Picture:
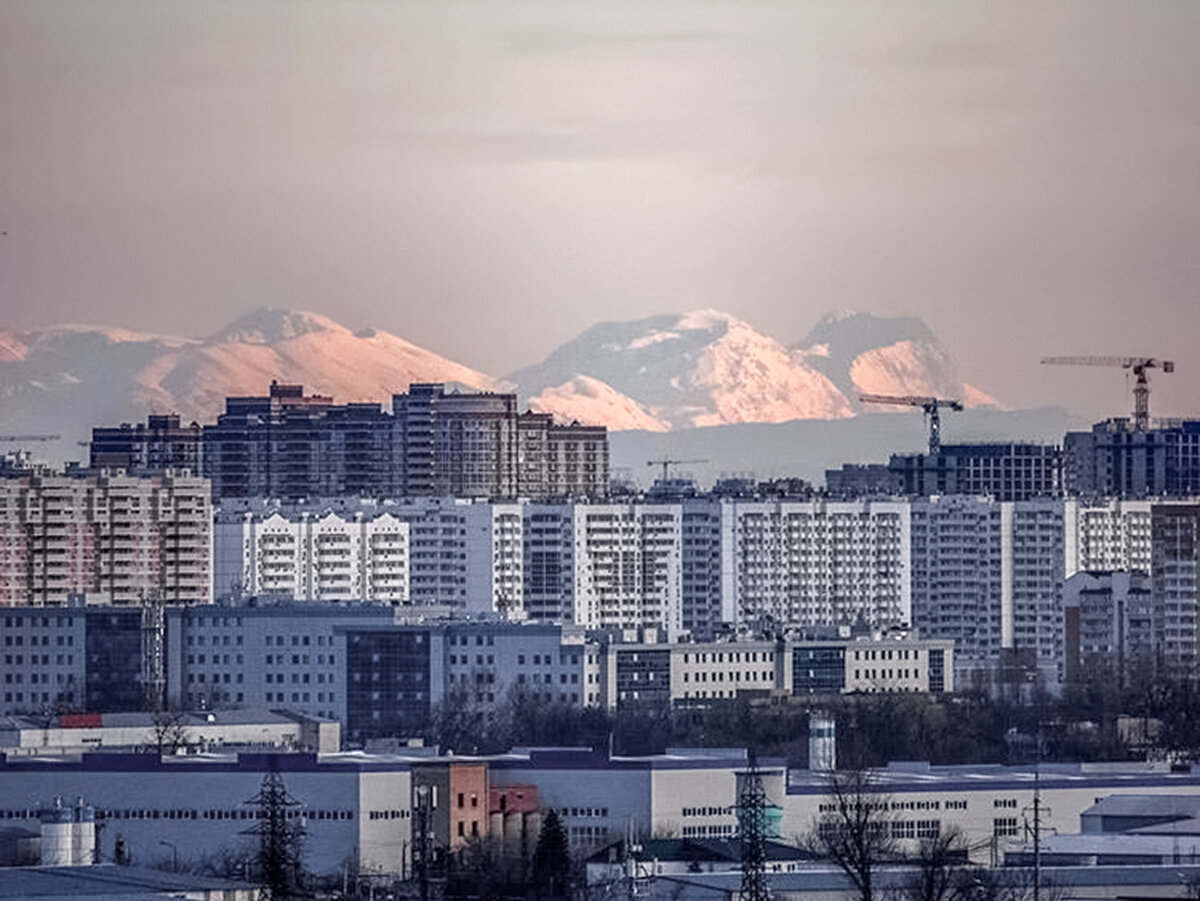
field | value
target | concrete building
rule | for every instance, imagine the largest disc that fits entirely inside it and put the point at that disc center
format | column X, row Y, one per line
column 1175, row 553
column 989, row 576
column 991, row 804
column 1007, row 472
column 398, row 677
column 310, row 553
column 601, row 799
column 146, row 449
column 357, row 808
column 1109, row 626
column 1115, row 459
column 1107, row 534
column 170, row 732
column 111, row 537
column 266, row 657
column 810, row 563
column 698, row 673
column 436, row 442
column 71, row 658
column 605, row 566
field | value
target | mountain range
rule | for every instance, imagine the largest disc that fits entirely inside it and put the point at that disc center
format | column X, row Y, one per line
column 663, row 373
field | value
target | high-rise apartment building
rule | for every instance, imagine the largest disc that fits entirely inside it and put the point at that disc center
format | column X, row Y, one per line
column 1007, row 472
column 119, row 538
column 806, row 563
column 264, row 549
column 1175, row 555
column 434, row 443
column 1116, row 460
column 151, row 448
column 989, row 575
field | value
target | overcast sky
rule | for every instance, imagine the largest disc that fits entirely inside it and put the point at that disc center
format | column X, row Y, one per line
column 487, row 179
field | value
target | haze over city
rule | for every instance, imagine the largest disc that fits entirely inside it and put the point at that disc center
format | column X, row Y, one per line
column 488, row 180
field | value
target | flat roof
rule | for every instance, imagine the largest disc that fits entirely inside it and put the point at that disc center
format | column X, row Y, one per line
column 920, row 776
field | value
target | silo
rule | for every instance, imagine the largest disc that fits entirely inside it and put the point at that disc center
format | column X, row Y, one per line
column 822, row 743
column 57, row 834
column 83, row 834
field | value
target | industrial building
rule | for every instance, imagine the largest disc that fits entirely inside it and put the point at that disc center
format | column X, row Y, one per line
column 169, row 731
column 357, row 808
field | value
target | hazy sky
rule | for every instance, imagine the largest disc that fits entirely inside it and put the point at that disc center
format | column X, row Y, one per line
column 487, row 179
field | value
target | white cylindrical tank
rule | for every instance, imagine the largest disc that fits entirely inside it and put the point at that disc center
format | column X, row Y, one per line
column 822, row 743
column 57, row 835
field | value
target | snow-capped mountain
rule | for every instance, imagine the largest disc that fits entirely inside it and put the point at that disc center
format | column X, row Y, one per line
column 866, row 354
column 590, row 401
column 709, row 368
column 687, row 370
column 68, row 378
column 661, row 374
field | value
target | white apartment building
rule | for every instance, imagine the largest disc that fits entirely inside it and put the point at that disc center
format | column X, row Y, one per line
column 495, row 559
column 604, row 566
column 113, row 538
column 989, row 575
column 804, row 563
column 311, row 554
column 1106, row 535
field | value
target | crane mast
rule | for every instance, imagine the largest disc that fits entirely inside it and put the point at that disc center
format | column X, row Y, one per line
column 1137, row 365
column 930, row 405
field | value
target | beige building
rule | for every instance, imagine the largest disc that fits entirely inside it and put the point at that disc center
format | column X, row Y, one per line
column 697, row 672
column 110, row 537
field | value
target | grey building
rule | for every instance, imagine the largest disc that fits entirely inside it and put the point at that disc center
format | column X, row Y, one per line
column 1008, row 472
column 1116, row 460
column 435, row 443
column 63, row 659
column 159, row 444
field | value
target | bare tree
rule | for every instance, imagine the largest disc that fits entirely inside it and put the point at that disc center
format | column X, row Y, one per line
column 939, row 865
column 853, row 829
column 168, row 730
column 1009, row 884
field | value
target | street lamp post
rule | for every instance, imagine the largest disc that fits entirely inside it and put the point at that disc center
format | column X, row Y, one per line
column 174, row 854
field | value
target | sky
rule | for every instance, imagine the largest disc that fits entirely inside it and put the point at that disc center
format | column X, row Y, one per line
column 488, row 179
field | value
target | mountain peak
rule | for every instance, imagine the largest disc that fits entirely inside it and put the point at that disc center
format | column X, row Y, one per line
column 271, row 325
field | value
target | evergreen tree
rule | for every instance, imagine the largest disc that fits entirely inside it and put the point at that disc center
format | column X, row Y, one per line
column 551, row 868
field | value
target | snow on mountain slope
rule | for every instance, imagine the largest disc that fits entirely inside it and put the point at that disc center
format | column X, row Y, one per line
column 591, row 402
column 864, row 353
column 906, row 367
column 67, row 379
column 693, row 369
column 11, row 347
column 303, row 348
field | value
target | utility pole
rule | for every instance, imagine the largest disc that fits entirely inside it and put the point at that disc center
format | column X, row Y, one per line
column 153, row 650
column 421, row 844
column 752, row 820
column 280, row 829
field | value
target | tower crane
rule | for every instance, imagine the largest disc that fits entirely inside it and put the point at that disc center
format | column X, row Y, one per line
column 930, row 405
column 22, row 439
column 1138, row 365
column 668, row 462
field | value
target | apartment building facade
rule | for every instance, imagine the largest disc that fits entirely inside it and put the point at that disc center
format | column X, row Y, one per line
column 266, row 550
column 435, row 442
column 1115, row 459
column 112, row 537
